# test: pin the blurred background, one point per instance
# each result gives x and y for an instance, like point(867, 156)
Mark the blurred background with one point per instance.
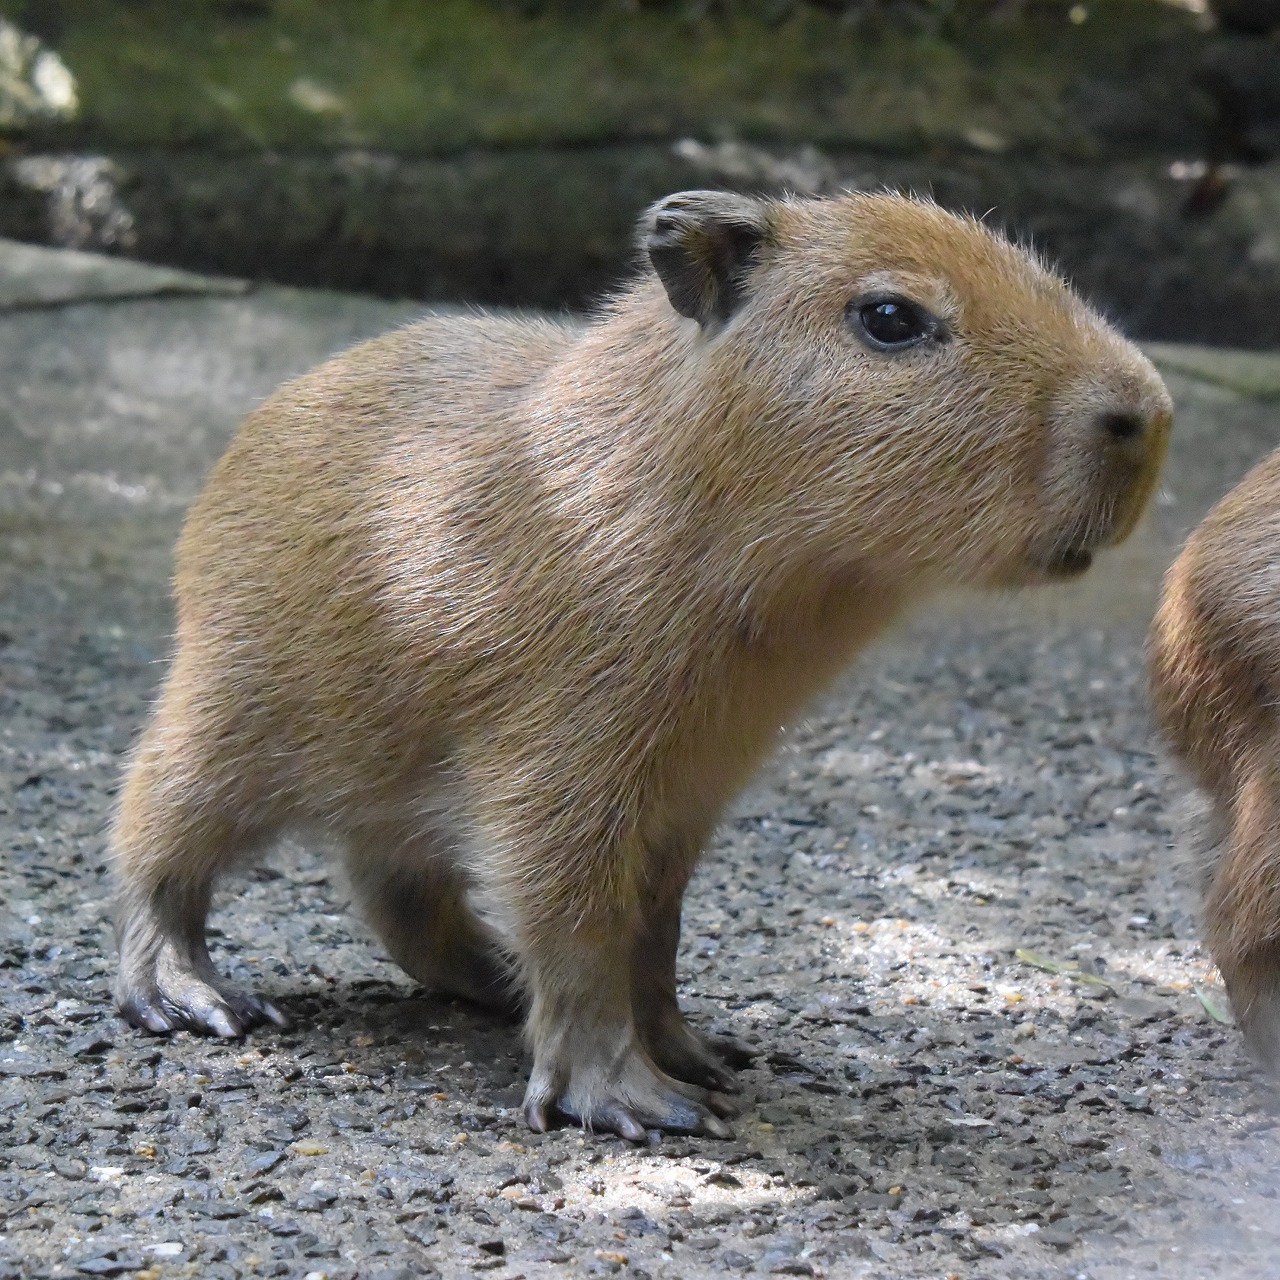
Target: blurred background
point(464, 150)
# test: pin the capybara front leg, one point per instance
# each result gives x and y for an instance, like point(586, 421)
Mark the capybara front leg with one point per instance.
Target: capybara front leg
point(678, 1048)
point(590, 1064)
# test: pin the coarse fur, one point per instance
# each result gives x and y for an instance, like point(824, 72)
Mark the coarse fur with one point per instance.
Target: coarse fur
point(1215, 681)
point(515, 607)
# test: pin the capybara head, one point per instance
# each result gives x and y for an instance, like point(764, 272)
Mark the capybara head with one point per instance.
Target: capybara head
point(910, 389)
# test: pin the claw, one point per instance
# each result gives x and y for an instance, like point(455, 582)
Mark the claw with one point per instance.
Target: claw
point(536, 1115)
point(620, 1121)
point(272, 1014)
point(145, 1016)
point(222, 1022)
point(716, 1128)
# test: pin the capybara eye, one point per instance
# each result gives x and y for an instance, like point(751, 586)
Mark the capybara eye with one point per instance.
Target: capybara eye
point(889, 324)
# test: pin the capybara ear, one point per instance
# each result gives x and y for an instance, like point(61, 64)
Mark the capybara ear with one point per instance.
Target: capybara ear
point(702, 244)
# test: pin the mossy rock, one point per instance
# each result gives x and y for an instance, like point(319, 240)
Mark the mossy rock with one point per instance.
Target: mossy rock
point(431, 79)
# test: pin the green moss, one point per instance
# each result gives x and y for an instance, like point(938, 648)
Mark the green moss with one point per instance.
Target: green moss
point(431, 78)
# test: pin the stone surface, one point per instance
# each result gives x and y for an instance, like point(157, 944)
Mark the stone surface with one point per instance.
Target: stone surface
point(34, 276)
point(926, 1104)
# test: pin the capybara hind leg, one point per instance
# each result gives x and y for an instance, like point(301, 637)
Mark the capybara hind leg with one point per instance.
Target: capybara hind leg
point(420, 908)
point(1242, 913)
point(678, 1048)
point(170, 844)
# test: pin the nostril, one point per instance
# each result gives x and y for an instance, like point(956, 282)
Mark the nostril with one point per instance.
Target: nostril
point(1122, 425)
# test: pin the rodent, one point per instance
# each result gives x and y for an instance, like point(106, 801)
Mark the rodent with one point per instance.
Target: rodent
point(513, 607)
point(1215, 687)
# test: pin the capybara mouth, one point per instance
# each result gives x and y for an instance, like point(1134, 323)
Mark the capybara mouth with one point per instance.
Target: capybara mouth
point(1070, 563)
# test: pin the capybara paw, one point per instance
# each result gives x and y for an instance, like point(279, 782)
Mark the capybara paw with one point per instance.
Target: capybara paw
point(628, 1102)
point(194, 1005)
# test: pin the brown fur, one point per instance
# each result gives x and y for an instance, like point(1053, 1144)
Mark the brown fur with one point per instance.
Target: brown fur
point(515, 607)
point(1215, 677)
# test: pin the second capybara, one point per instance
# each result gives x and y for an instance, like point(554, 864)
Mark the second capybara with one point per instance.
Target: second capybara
point(1215, 680)
point(513, 608)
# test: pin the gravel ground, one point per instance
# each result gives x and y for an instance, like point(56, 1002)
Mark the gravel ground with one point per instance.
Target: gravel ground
point(927, 1101)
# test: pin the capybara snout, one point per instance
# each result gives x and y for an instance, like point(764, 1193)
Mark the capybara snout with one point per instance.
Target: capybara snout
point(1108, 429)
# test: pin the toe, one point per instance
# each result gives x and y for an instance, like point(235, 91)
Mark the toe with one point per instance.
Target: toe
point(722, 1081)
point(204, 1011)
point(710, 1099)
point(720, 1105)
point(678, 1113)
point(219, 1020)
point(681, 1115)
point(145, 1014)
point(154, 1021)
point(617, 1119)
point(787, 1061)
point(734, 1052)
point(702, 1071)
point(537, 1115)
point(253, 1011)
point(690, 1057)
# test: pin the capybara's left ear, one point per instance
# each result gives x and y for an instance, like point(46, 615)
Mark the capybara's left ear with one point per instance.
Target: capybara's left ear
point(702, 245)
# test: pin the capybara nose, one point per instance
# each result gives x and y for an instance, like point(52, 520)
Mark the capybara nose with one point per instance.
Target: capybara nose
point(1130, 431)
point(1124, 424)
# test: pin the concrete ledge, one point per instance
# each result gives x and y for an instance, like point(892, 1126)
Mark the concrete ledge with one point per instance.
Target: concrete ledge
point(33, 276)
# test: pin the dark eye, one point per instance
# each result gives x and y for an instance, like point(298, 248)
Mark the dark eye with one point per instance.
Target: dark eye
point(890, 324)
